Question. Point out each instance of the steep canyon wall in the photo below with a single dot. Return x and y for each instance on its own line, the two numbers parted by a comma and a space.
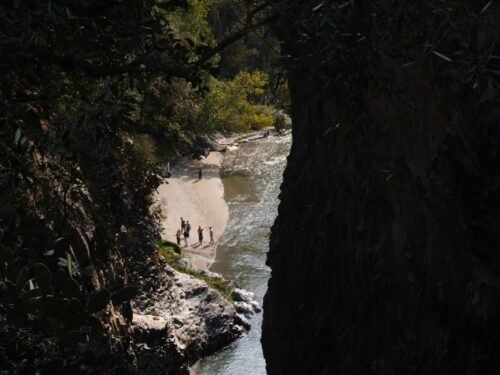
385, 253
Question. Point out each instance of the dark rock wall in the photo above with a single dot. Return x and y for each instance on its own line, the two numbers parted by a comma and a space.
385, 254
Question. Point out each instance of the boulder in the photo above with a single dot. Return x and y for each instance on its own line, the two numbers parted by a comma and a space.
190, 319
242, 295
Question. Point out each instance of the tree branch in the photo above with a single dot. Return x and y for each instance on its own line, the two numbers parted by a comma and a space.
141, 63
233, 38
154, 62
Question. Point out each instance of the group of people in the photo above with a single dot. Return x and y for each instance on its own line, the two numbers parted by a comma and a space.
186, 229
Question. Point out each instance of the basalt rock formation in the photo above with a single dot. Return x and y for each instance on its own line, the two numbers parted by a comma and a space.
385, 253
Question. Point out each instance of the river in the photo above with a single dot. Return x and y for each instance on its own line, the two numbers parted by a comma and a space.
252, 175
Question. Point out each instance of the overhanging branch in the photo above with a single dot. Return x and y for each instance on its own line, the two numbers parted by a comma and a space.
233, 38
139, 64
154, 63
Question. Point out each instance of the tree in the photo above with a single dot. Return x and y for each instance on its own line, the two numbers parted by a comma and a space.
77, 90
388, 200
87, 89
232, 105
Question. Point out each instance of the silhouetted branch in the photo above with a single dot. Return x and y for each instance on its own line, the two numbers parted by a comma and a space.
155, 63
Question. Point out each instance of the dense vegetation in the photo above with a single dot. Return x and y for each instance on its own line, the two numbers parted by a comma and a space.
172, 253
90, 93
392, 182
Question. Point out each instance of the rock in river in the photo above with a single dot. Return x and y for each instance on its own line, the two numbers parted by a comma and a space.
190, 321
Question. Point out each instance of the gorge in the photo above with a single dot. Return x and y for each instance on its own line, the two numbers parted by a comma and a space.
384, 257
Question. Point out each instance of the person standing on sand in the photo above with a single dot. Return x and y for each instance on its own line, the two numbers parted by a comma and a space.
200, 174
211, 236
200, 234
187, 227
178, 236
186, 236
183, 224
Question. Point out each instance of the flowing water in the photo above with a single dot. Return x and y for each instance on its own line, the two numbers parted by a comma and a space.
252, 175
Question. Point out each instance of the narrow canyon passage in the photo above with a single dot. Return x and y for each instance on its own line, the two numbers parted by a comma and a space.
252, 175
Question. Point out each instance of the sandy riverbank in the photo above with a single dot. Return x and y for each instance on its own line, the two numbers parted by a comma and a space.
199, 201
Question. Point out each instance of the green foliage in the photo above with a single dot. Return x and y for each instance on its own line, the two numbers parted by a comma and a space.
236, 101
169, 254
52, 304
281, 121
192, 22
173, 246
84, 99
144, 147
258, 51
41, 290
221, 285
235, 105
90, 91
34, 298
168, 251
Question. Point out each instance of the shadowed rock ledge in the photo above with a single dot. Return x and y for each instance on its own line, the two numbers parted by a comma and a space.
181, 320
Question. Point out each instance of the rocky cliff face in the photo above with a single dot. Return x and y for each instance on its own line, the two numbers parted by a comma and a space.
384, 255
179, 319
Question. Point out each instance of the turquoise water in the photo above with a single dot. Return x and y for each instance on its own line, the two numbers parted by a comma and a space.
252, 175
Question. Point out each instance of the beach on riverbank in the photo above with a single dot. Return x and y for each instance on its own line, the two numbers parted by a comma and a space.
240, 203
199, 201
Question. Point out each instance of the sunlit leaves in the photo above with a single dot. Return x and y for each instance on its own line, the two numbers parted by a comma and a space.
234, 105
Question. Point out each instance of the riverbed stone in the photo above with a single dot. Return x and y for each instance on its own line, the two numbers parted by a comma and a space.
242, 295
188, 322
244, 308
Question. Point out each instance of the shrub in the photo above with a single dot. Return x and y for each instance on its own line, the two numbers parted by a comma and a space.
171, 252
